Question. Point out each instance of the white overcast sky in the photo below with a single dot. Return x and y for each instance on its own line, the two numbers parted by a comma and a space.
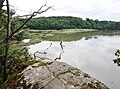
94, 9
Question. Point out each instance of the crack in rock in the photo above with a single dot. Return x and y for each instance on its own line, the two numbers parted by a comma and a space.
55, 75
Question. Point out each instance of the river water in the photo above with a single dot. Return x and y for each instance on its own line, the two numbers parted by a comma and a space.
93, 56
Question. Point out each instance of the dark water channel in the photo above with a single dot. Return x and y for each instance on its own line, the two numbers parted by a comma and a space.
93, 56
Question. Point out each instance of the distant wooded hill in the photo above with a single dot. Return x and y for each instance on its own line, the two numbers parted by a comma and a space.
68, 22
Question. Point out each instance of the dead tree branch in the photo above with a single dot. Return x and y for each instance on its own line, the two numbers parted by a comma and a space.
31, 16
61, 45
45, 52
48, 48
10, 35
1, 5
7, 42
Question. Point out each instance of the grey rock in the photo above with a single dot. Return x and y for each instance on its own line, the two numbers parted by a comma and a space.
55, 75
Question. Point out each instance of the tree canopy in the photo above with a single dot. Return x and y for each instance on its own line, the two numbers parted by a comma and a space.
68, 22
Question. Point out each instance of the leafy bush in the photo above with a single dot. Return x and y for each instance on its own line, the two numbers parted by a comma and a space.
18, 60
21, 36
117, 60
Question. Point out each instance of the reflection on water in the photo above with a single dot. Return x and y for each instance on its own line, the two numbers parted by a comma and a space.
94, 56
79, 35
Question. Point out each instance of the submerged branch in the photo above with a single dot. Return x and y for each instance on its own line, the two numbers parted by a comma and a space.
45, 52
61, 45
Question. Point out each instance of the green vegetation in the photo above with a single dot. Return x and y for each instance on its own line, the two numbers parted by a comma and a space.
66, 35
117, 60
12, 60
58, 28
68, 22
18, 60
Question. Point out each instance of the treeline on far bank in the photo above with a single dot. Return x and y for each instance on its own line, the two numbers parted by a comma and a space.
68, 22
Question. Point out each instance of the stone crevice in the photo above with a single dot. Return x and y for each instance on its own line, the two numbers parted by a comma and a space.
55, 75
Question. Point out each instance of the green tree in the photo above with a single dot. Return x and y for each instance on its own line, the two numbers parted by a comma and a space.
9, 33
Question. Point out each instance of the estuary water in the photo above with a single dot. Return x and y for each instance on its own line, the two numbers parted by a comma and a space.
93, 56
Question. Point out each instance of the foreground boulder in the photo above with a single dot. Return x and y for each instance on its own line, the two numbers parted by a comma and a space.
54, 75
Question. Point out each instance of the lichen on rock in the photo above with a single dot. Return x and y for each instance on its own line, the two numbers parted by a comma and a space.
55, 75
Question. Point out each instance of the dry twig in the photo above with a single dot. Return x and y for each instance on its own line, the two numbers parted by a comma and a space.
40, 11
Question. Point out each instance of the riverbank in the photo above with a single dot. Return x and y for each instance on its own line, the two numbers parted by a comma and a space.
36, 36
62, 35
93, 55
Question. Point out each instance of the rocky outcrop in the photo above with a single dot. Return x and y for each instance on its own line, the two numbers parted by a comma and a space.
54, 75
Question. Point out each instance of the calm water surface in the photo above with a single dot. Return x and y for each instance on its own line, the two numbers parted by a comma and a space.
93, 56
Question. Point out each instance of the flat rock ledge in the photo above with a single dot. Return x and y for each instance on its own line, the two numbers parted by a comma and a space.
54, 75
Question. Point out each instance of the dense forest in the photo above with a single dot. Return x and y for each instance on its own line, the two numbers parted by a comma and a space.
68, 22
